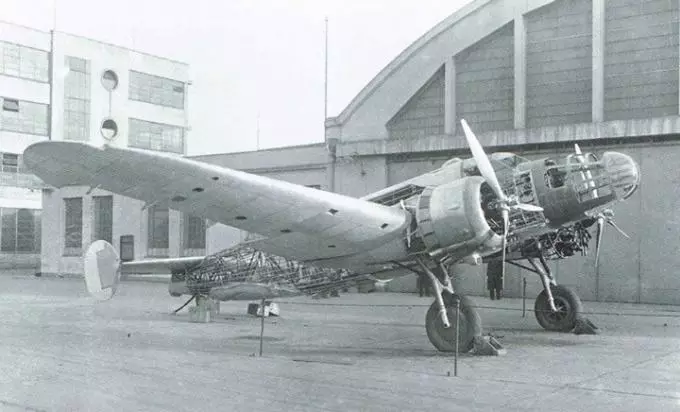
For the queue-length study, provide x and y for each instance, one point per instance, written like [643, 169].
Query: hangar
[535, 77]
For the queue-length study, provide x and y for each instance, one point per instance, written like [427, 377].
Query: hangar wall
[641, 59]
[484, 82]
[559, 64]
[639, 269]
[534, 77]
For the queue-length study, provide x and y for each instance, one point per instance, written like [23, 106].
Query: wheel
[568, 307]
[470, 325]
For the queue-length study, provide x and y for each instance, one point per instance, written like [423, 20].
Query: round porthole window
[109, 129]
[109, 80]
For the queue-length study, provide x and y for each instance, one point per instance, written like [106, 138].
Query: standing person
[423, 285]
[494, 279]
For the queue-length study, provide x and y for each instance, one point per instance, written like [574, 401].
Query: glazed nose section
[623, 172]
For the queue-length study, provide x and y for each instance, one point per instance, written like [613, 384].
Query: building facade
[64, 87]
[24, 119]
[533, 77]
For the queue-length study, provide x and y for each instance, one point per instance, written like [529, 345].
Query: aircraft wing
[298, 222]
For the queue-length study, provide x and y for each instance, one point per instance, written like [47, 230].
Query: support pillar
[520, 70]
[598, 60]
[450, 96]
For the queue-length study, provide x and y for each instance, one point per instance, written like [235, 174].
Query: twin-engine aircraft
[468, 211]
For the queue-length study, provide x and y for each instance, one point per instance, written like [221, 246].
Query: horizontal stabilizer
[102, 270]
[164, 266]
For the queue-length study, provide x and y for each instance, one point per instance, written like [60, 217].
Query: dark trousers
[423, 286]
[494, 279]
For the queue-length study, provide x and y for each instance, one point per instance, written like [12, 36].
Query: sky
[257, 66]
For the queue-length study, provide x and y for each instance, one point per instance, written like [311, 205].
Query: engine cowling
[451, 219]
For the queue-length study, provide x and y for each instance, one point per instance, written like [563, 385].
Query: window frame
[157, 90]
[99, 232]
[24, 116]
[145, 134]
[153, 246]
[24, 62]
[73, 241]
[191, 245]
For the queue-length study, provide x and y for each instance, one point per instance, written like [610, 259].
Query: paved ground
[59, 351]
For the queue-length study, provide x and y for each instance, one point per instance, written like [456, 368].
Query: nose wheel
[568, 306]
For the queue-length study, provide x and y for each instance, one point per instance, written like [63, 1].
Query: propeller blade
[600, 230]
[483, 163]
[577, 149]
[529, 208]
[611, 222]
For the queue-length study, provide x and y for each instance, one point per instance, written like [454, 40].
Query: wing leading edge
[299, 222]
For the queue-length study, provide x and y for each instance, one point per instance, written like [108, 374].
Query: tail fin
[102, 270]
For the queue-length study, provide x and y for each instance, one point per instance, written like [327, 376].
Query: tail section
[102, 270]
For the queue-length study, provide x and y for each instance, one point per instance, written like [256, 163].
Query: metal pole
[455, 361]
[262, 326]
[524, 297]
[257, 131]
[325, 73]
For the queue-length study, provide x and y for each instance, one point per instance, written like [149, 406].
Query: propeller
[607, 216]
[505, 202]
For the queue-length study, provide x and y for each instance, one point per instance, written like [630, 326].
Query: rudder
[102, 270]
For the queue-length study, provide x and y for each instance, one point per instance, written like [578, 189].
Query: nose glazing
[623, 172]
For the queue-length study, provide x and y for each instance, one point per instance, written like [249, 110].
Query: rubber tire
[566, 301]
[444, 339]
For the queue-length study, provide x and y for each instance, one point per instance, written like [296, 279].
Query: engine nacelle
[451, 219]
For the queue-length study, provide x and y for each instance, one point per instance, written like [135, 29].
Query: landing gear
[440, 320]
[469, 325]
[568, 307]
[557, 308]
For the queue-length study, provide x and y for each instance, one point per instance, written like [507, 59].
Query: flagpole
[325, 74]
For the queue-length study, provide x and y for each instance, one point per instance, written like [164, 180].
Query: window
[159, 230]
[194, 232]
[77, 99]
[24, 62]
[110, 80]
[20, 231]
[10, 162]
[9, 230]
[23, 117]
[26, 229]
[73, 225]
[103, 218]
[10, 105]
[156, 90]
[109, 129]
[155, 136]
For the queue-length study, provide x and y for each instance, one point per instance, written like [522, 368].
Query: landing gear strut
[440, 318]
[557, 308]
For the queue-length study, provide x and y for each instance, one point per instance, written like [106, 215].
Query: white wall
[23, 90]
[116, 105]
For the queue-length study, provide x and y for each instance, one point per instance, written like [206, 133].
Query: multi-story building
[60, 86]
[24, 119]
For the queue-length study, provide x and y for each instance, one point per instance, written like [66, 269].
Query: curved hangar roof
[524, 72]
